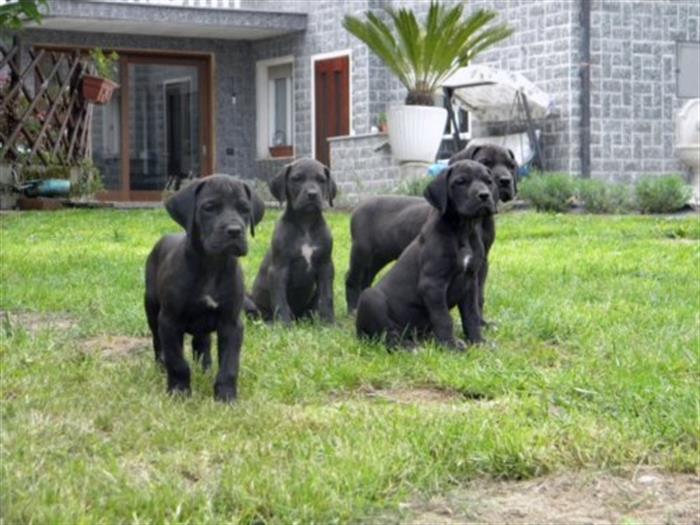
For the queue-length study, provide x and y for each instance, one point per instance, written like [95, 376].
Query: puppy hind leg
[152, 310]
[355, 279]
[201, 350]
[373, 320]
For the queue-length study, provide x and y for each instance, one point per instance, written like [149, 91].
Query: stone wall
[363, 165]
[633, 85]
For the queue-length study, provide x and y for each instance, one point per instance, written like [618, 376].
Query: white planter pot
[415, 132]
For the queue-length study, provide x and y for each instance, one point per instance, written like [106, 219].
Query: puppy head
[501, 162]
[215, 212]
[465, 188]
[304, 185]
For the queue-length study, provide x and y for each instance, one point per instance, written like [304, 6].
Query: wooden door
[332, 103]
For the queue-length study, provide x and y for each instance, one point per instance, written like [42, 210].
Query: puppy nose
[505, 181]
[312, 192]
[484, 195]
[234, 230]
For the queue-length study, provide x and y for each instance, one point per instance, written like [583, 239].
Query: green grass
[594, 363]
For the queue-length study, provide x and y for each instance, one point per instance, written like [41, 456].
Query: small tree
[423, 56]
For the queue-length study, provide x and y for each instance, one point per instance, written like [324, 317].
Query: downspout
[585, 100]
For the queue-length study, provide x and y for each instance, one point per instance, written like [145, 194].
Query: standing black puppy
[194, 283]
[296, 277]
[438, 270]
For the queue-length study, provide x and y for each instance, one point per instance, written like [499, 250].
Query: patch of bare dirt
[645, 496]
[33, 322]
[421, 395]
[115, 346]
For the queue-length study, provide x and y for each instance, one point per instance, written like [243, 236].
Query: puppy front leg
[278, 277]
[435, 300]
[171, 345]
[470, 311]
[324, 285]
[230, 338]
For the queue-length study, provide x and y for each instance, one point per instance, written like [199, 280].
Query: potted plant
[280, 148]
[98, 88]
[422, 56]
[381, 123]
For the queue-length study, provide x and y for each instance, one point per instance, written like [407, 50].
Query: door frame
[206, 131]
[207, 80]
[317, 58]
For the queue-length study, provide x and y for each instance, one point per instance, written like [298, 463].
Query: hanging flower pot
[98, 90]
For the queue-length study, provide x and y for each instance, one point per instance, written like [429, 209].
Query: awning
[490, 94]
[167, 20]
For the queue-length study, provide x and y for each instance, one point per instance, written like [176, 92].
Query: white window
[275, 112]
[688, 69]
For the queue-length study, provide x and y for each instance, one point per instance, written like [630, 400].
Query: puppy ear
[512, 155]
[257, 208]
[278, 184]
[181, 206]
[332, 187]
[436, 192]
[472, 151]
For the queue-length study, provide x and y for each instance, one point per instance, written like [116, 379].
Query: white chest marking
[466, 261]
[307, 250]
[210, 302]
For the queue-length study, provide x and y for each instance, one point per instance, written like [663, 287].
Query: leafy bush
[602, 197]
[413, 187]
[549, 191]
[664, 194]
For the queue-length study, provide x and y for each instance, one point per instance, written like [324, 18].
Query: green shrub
[602, 197]
[413, 187]
[549, 191]
[664, 194]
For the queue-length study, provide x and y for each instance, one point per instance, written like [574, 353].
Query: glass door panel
[106, 141]
[164, 124]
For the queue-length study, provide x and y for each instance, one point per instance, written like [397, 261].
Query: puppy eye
[460, 182]
[296, 177]
[244, 209]
[209, 206]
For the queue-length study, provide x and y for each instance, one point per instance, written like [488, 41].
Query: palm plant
[422, 56]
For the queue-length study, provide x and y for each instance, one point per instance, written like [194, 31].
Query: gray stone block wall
[633, 85]
[363, 165]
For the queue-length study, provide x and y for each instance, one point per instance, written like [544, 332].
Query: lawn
[593, 364]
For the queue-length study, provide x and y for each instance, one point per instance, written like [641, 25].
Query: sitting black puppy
[438, 270]
[382, 227]
[295, 279]
[194, 283]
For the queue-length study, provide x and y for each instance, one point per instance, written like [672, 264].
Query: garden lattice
[43, 118]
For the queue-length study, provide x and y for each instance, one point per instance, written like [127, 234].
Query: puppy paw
[179, 390]
[225, 394]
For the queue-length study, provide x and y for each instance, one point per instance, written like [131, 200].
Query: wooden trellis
[43, 117]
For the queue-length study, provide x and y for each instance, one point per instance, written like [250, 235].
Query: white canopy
[490, 94]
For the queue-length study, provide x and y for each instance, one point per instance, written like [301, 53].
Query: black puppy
[438, 270]
[296, 277]
[194, 283]
[382, 227]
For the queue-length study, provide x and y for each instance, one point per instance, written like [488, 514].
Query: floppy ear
[472, 151]
[278, 184]
[181, 206]
[332, 187]
[257, 208]
[436, 192]
[512, 155]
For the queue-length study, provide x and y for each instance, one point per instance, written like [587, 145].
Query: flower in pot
[422, 56]
[98, 88]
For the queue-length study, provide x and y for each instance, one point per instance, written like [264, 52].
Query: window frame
[679, 44]
[264, 101]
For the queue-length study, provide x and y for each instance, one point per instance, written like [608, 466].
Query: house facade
[242, 86]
